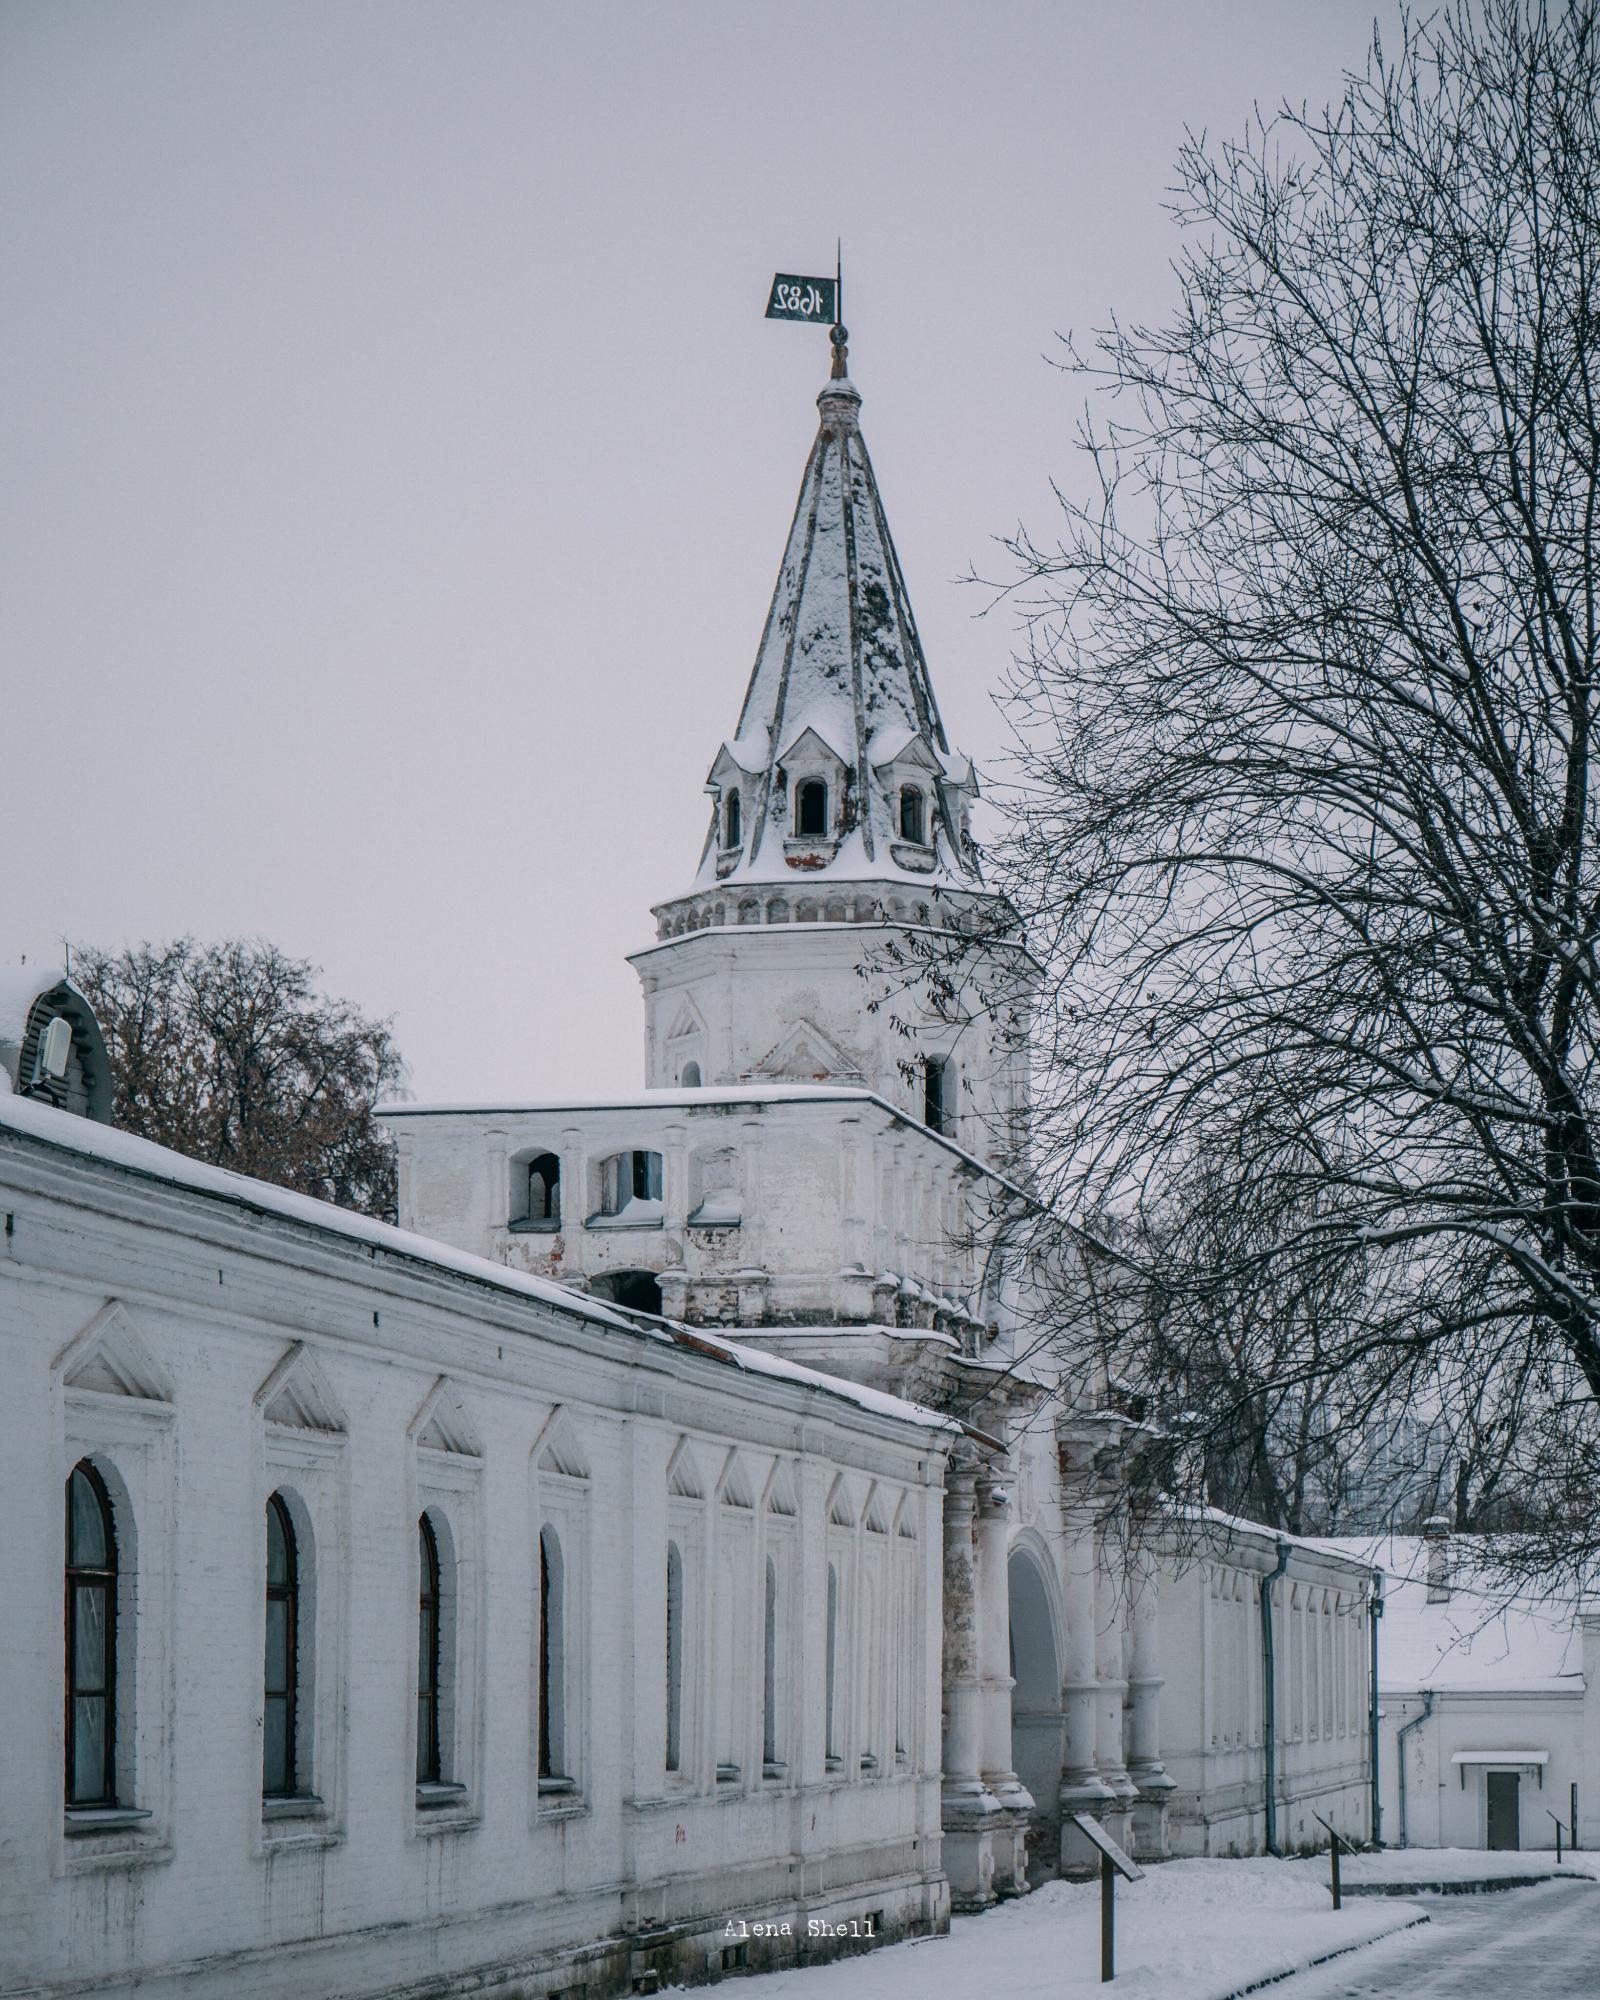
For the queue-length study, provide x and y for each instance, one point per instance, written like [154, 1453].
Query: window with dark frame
[811, 809]
[91, 1638]
[732, 821]
[829, 1744]
[913, 825]
[428, 1767]
[552, 1663]
[933, 1093]
[674, 1657]
[281, 1674]
[769, 1670]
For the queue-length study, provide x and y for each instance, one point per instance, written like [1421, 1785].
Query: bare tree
[228, 1053]
[1305, 830]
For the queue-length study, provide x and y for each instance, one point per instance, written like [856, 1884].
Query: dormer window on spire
[732, 819]
[913, 815]
[811, 809]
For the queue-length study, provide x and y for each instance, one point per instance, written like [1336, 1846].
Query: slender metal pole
[1333, 1856]
[1108, 1920]
[838, 281]
[1572, 1816]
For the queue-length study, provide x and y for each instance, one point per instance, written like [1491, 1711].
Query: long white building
[667, 1527]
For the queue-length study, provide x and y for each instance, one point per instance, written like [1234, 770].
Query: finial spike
[840, 336]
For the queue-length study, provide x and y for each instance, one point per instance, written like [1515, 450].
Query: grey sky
[394, 462]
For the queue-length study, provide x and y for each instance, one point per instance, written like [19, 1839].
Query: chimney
[1436, 1536]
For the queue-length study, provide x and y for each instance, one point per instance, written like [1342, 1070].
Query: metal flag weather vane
[817, 301]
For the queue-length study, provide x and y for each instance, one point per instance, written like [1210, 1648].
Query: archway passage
[640, 1291]
[1037, 1723]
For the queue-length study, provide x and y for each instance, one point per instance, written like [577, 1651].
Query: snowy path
[1191, 1930]
[1525, 1944]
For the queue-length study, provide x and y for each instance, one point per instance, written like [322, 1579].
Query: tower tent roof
[840, 689]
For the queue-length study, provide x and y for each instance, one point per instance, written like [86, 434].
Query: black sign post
[1336, 1840]
[1113, 1862]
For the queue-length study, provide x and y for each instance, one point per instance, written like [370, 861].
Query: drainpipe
[1269, 1697]
[1401, 1734]
[1375, 1612]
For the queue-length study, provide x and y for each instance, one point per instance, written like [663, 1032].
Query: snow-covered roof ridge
[44, 1124]
[1472, 1637]
[841, 658]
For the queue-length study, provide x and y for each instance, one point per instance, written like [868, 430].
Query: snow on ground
[1191, 1930]
[1456, 1864]
[1531, 1944]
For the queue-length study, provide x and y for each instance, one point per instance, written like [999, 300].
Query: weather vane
[817, 301]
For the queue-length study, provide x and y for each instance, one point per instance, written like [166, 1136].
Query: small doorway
[1504, 1809]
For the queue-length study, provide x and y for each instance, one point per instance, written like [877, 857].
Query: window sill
[728, 1774]
[774, 1773]
[81, 1821]
[622, 1222]
[558, 1788]
[302, 1806]
[430, 1797]
[832, 1766]
[522, 1226]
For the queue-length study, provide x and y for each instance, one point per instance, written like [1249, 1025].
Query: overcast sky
[395, 464]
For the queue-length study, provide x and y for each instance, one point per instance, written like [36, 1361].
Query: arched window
[281, 1677]
[732, 821]
[769, 1673]
[627, 1178]
[91, 1641]
[552, 1657]
[811, 809]
[674, 1657]
[544, 1189]
[829, 1740]
[429, 1767]
[912, 814]
[690, 1080]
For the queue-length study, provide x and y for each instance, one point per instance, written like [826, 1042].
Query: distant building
[1490, 1709]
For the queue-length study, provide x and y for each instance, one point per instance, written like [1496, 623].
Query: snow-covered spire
[839, 766]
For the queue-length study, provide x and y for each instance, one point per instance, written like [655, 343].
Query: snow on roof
[20, 986]
[651, 1100]
[67, 1133]
[832, 727]
[1474, 1638]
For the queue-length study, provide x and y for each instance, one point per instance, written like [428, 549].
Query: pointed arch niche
[560, 1551]
[446, 1524]
[118, 1424]
[301, 1471]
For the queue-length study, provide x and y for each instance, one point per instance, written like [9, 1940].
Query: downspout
[1269, 1697]
[1375, 1612]
[1400, 1736]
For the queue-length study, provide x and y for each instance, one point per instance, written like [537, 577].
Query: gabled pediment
[559, 1447]
[443, 1422]
[806, 1055]
[733, 1487]
[687, 1022]
[108, 1356]
[814, 740]
[896, 746]
[684, 1477]
[780, 1494]
[297, 1394]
